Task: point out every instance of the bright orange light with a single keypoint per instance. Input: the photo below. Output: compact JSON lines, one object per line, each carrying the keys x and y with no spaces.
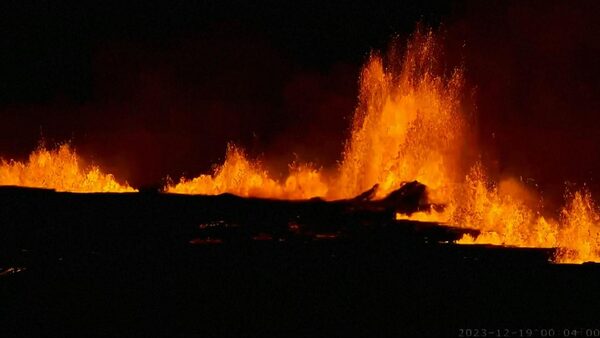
{"x":58,"y":169}
{"x":240,"y":176}
{"x":409,"y":125}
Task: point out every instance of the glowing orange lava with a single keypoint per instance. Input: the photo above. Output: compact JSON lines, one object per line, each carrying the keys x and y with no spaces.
{"x":240,"y":176}
{"x":58,"y":169}
{"x":409,"y":125}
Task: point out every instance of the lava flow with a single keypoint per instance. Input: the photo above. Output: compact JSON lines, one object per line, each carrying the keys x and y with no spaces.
{"x":58,"y":169}
{"x":410,"y":125}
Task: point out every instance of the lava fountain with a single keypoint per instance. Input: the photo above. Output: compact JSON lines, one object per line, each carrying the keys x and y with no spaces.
{"x":58,"y":169}
{"x":410,"y":125}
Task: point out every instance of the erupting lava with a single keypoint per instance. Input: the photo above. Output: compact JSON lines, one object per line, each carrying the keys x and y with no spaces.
{"x":58,"y":169}
{"x":409,"y":125}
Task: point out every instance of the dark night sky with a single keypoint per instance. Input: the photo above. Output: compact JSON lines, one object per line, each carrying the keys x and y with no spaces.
{"x":155,"y":88}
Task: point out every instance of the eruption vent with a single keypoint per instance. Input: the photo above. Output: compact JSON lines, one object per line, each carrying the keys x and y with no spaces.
{"x":409,"y":125}
{"x":58,"y":169}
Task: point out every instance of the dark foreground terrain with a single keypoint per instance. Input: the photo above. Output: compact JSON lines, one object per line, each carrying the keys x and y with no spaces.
{"x":138,"y":264}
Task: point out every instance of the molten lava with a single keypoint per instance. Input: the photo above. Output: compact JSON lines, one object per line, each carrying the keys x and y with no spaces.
{"x":240,"y":176}
{"x":58,"y":169}
{"x":410,"y":125}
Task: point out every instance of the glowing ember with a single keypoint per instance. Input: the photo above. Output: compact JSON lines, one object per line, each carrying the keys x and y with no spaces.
{"x":409,"y":125}
{"x":58,"y":169}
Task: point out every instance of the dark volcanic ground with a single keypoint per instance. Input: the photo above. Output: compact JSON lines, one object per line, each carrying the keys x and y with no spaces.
{"x":124,"y":265}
